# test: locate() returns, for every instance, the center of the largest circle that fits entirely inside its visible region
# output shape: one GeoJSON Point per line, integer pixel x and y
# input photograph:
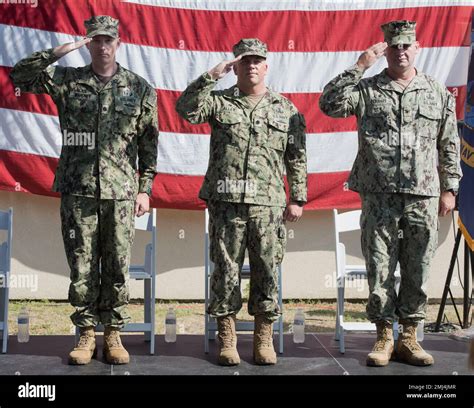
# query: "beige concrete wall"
{"type": "Point", "coordinates": [308, 268]}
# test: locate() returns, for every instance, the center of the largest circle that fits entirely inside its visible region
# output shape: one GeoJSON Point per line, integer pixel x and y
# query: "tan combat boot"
{"type": "Point", "coordinates": [228, 355]}
{"type": "Point", "coordinates": [263, 351]}
{"type": "Point", "coordinates": [383, 347]}
{"type": "Point", "coordinates": [85, 349]}
{"type": "Point", "coordinates": [114, 352]}
{"type": "Point", "coordinates": [408, 350]}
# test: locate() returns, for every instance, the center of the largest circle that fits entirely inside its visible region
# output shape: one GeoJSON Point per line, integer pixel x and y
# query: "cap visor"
{"type": "Point", "coordinates": [244, 54]}
{"type": "Point", "coordinates": [102, 32]}
{"type": "Point", "coordinates": [399, 40]}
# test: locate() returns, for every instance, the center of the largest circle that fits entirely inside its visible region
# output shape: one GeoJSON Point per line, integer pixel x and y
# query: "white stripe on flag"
{"type": "Point", "coordinates": [172, 69]}
{"type": "Point", "coordinates": [178, 153]}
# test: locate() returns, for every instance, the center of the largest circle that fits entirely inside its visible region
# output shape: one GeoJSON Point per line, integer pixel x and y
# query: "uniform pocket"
{"type": "Point", "coordinates": [278, 127]}
{"type": "Point", "coordinates": [127, 110]}
{"type": "Point", "coordinates": [230, 128]}
{"type": "Point", "coordinates": [127, 106]}
{"type": "Point", "coordinates": [81, 111]}
{"type": "Point", "coordinates": [429, 120]}
{"type": "Point", "coordinates": [375, 124]}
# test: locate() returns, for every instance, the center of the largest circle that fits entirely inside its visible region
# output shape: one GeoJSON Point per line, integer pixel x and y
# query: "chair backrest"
{"type": "Point", "coordinates": [147, 222]}
{"type": "Point", "coordinates": [6, 223]}
{"type": "Point", "coordinates": [208, 264]}
{"type": "Point", "coordinates": [206, 220]}
{"type": "Point", "coordinates": [347, 221]}
{"type": "Point", "coordinates": [344, 222]}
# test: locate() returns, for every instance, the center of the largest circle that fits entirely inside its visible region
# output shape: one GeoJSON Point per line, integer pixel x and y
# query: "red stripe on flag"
{"type": "Point", "coordinates": [169, 121]}
{"type": "Point", "coordinates": [11, 98]}
{"type": "Point", "coordinates": [35, 174]}
{"type": "Point", "coordinates": [303, 31]}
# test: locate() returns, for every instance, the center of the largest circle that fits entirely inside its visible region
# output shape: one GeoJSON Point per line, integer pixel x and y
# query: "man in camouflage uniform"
{"type": "Point", "coordinates": [108, 118]}
{"type": "Point", "coordinates": [256, 133]}
{"type": "Point", "coordinates": [406, 122]}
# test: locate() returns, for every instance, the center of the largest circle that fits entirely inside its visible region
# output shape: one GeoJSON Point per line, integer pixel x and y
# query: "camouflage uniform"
{"type": "Point", "coordinates": [402, 134]}
{"type": "Point", "coordinates": [98, 180]}
{"type": "Point", "coordinates": [249, 149]}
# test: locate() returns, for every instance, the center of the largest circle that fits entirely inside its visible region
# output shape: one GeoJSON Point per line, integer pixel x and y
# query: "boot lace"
{"type": "Point", "coordinates": [225, 332]}
{"type": "Point", "coordinates": [113, 340]}
{"type": "Point", "coordinates": [84, 341]}
{"type": "Point", "coordinates": [383, 338]}
{"type": "Point", "coordinates": [264, 337]}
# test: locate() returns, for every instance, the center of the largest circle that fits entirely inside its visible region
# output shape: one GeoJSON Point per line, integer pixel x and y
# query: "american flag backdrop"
{"type": "Point", "coordinates": [170, 43]}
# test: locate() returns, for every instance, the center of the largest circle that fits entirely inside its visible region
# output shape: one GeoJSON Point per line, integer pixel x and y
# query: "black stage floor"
{"type": "Point", "coordinates": [319, 355]}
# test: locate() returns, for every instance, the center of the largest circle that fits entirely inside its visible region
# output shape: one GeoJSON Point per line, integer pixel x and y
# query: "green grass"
{"type": "Point", "coordinates": [52, 318]}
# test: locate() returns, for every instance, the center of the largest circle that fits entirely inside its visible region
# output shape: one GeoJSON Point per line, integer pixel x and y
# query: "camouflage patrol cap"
{"type": "Point", "coordinates": [250, 46]}
{"type": "Point", "coordinates": [399, 32]}
{"type": "Point", "coordinates": [102, 25]}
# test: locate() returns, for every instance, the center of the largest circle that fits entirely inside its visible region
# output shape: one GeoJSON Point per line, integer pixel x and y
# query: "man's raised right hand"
{"type": "Point", "coordinates": [371, 55]}
{"type": "Point", "coordinates": [61, 50]}
{"type": "Point", "coordinates": [223, 68]}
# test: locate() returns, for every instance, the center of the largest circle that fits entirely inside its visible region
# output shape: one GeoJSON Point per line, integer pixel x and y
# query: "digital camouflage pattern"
{"type": "Point", "coordinates": [402, 134]}
{"type": "Point", "coordinates": [250, 46]}
{"type": "Point", "coordinates": [97, 236]}
{"type": "Point", "coordinates": [249, 149]}
{"type": "Point", "coordinates": [398, 228]}
{"type": "Point", "coordinates": [233, 228]}
{"type": "Point", "coordinates": [399, 32]}
{"type": "Point", "coordinates": [102, 25]}
{"type": "Point", "coordinates": [105, 128]}
{"type": "Point", "coordinates": [120, 118]}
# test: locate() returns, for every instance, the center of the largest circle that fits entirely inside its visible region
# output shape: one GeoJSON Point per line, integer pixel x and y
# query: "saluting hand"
{"type": "Point", "coordinates": [61, 50]}
{"type": "Point", "coordinates": [371, 55]}
{"type": "Point", "coordinates": [223, 68]}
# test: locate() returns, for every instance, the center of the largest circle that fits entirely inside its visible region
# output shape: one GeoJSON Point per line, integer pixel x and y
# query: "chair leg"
{"type": "Point", "coordinates": [147, 303]}
{"type": "Point", "coordinates": [339, 309]}
{"type": "Point", "coordinates": [152, 317]}
{"type": "Point", "coordinates": [280, 303]}
{"type": "Point", "coordinates": [152, 340]}
{"type": "Point", "coordinates": [342, 345]}
{"type": "Point", "coordinates": [395, 330]}
{"type": "Point", "coordinates": [5, 320]}
{"type": "Point", "coordinates": [280, 334]}
{"type": "Point", "coordinates": [5, 339]}
{"type": "Point", "coordinates": [206, 333]}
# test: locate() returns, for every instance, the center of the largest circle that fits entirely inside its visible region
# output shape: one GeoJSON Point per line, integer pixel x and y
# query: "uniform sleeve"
{"type": "Point", "coordinates": [34, 74]}
{"type": "Point", "coordinates": [448, 147]}
{"type": "Point", "coordinates": [295, 158]}
{"type": "Point", "coordinates": [196, 103]}
{"type": "Point", "coordinates": [340, 96]}
{"type": "Point", "coordinates": [147, 142]}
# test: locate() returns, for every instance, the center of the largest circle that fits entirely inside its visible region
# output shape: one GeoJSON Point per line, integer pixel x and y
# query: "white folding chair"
{"type": "Point", "coordinates": [6, 224]}
{"type": "Point", "coordinates": [147, 273]}
{"type": "Point", "coordinates": [210, 324]}
{"type": "Point", "coordinates": [345, 222]}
